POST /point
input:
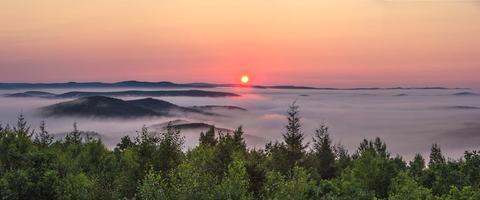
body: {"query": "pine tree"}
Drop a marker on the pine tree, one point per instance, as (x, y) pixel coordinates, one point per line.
(74, 137)
(323, 152)
(436, 156)
(342, 158)
(293, 137)
(125, 143)
(170, 148)
(417, 165)
(43, 138)
(238, 139)
(208, 138)
(22, 129)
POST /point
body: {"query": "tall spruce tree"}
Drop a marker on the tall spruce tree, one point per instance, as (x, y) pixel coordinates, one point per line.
(22, 129)
(436, 156)
(416, 166)
(208, 138)
(75, 136)
(293, 137)
(42, 137)
(323, 151)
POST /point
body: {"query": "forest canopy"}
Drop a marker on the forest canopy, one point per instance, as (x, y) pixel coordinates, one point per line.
(152, 165)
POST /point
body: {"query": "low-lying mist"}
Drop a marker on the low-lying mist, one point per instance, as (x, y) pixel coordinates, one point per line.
(408, 120)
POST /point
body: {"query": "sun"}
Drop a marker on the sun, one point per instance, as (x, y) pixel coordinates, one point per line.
(245, 79)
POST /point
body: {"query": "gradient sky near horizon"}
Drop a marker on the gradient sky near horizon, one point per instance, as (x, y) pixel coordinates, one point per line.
(334, 43)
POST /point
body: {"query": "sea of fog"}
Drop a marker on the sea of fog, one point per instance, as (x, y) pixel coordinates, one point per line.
(408, 120)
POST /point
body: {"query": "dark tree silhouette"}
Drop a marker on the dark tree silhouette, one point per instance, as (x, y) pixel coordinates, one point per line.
(208, 138)
(323, 151)
(436, 156)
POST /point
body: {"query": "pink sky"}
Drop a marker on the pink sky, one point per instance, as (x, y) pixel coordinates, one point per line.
(346, 43)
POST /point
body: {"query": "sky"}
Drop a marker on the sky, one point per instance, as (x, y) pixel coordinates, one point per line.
(327, 43)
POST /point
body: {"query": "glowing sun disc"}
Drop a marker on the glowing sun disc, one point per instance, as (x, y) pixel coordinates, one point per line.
(244, 79)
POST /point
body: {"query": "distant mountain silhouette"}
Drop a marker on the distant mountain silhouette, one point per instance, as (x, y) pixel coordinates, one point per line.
(108, 107)
(217, 107)
(465, 94)
(187, 125)
(458, 107)
(138, 93)
(165, 84)
(164, 107)
(133, 84)
(97, 106)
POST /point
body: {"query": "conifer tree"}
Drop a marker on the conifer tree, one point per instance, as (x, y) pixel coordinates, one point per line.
(43, 138)
(436, 156)
(74, 137)
(323, 152)
(293, 137)
(417, 165)
(208, 138)
(22, 129)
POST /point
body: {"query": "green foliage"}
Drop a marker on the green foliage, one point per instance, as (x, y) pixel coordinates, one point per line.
(436, 156)
(417, 166)
(466, 193)
(43, 138)
(153, 187)
(153, 166)
(193, 179)
(373, 169)
(208, 138)
(299, 186)
(404, 187)
(77, 187)
(235, 184)
(74, 137)
(471, 168)
(284, 156)
(323, 153)
(293, 137)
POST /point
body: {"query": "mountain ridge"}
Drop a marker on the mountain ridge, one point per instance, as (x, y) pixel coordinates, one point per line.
(167, 84)
(138, 93)
(108, 107)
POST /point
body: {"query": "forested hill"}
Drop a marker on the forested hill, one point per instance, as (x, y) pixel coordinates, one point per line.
(107, 107)
(153, 166)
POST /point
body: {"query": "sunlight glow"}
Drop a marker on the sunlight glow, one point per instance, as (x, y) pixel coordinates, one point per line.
(245, 79)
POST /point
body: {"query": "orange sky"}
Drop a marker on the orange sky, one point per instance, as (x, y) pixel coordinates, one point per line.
(335, 43)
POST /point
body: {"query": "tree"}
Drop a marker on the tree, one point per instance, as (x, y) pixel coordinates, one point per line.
(471, 168)
(208, 138)
(293, 137)
(153, 187)
(342, 158)
(238, 140)
(170, 148)
(22, 129)
(436, 156)
(43, 138)
(372, 170)
(465, 193)
(194, 177)
(256, 169)
(125, 143)
(299, 186)
(78, 187)
(323, 151)
(416, 166)
(405, 188)
(235, 183)
(74, 137)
